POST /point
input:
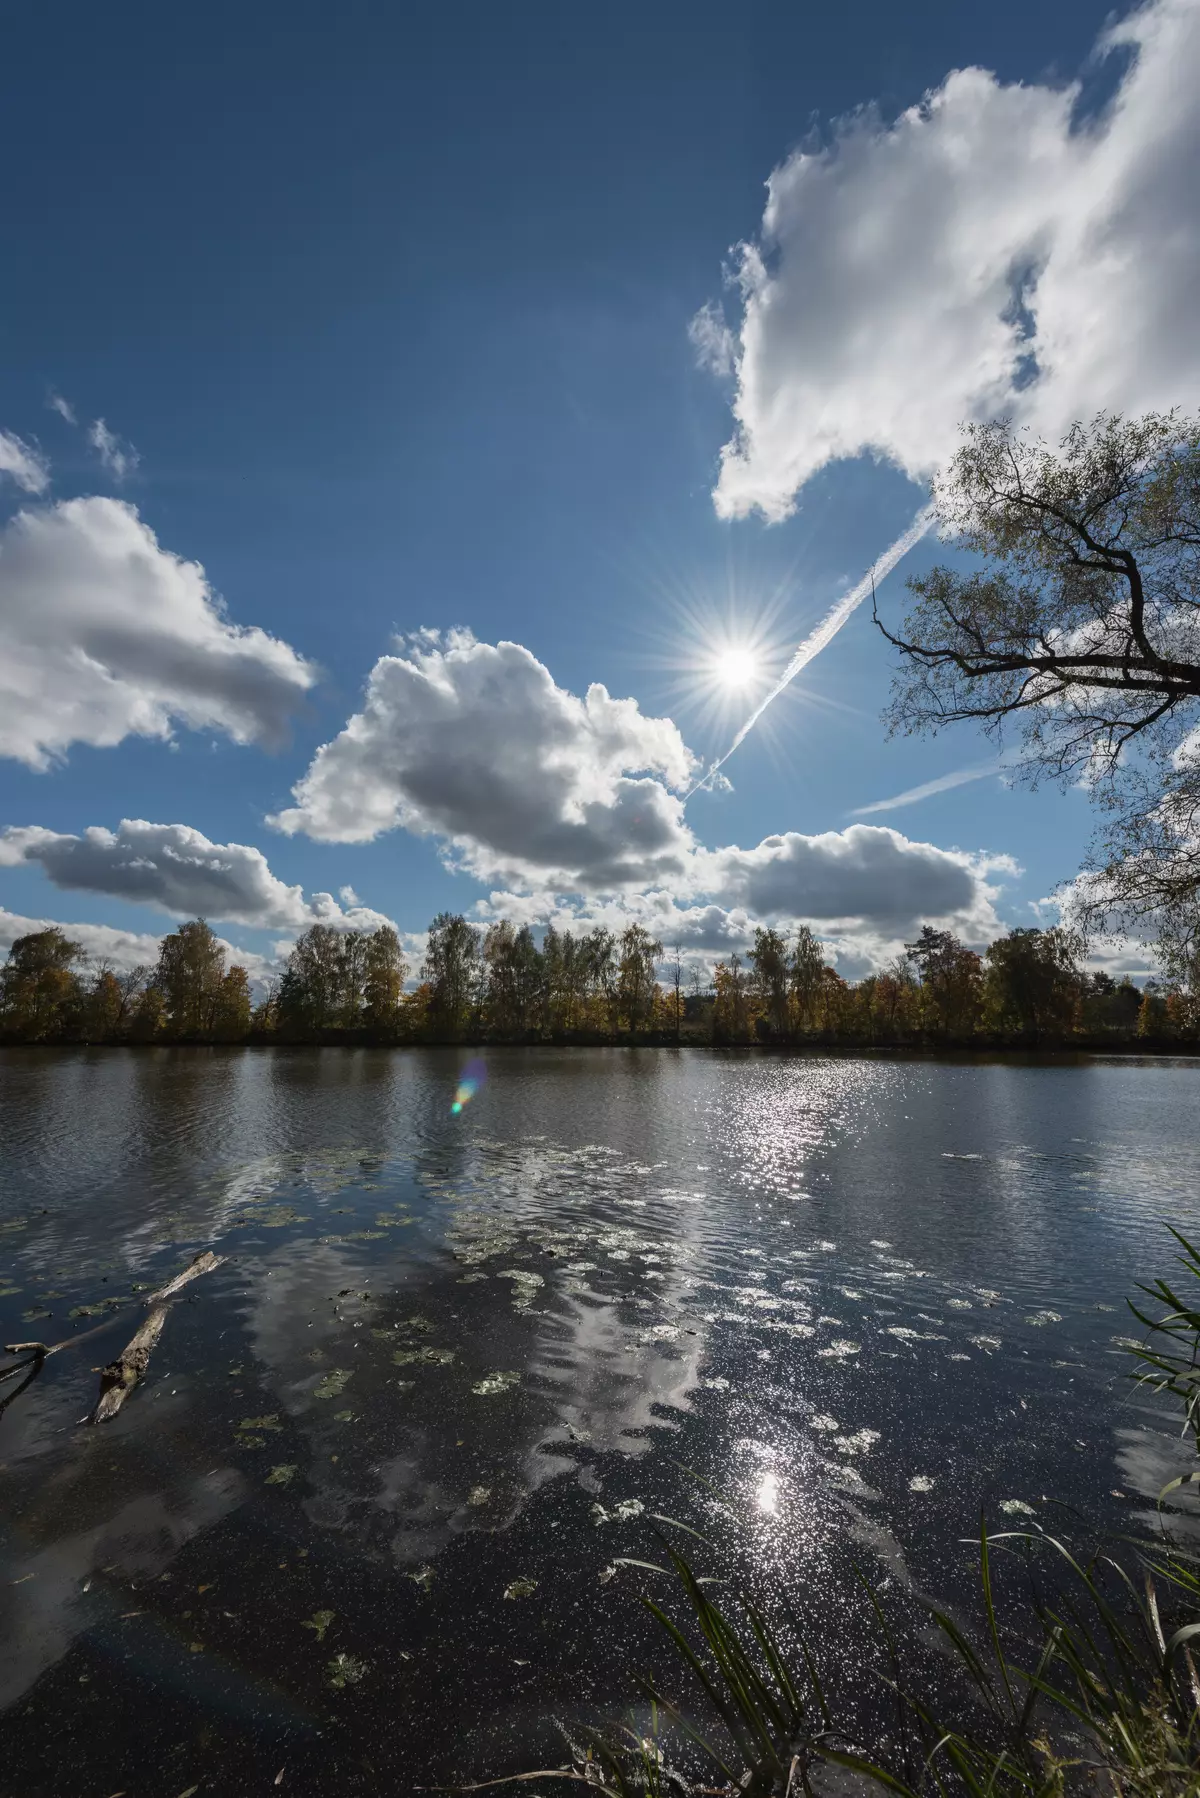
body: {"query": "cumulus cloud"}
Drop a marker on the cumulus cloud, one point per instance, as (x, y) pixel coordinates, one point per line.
(118, 457)
(123, 950)
(23, 464)
(104, 634)
(550, 795)
(180, 871)
(475, 743)
(989, 252)
(868, 874)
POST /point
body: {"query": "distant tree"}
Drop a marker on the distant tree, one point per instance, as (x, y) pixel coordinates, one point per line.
(833, 1003)
(232, 1010)
(103, 1007)
(640, 954)
(603, 977)
(1034, 983)
(731, 1010)
(1154, 1014)
(385, 971)
(674, 973)
(1082, 632)
(805, 977)
(191, 968)
(40, 992)
(1107, 1005)
(951, 977)
(513, 979)
(451, 969)
(313, 988)
(148, 1019)
(769, 959)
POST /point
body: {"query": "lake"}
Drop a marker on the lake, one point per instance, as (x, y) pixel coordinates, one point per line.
(362, 1525)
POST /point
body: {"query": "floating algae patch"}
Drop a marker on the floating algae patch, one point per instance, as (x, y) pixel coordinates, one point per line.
(319, 1622)
(426, 1357)
(274, 1217)
(521, 1588)
(623, 1512)
(496, 1382)
(334, 1383)
(525, 1286)
(261, 1423)
(841, 1350)
(244, 1441)
(861, 1443)
(1044, 1317)
(283, 1474)
(346, 1670)
(479, 1495)
(920, 1482)
(1016, 1507)
(423, 1577)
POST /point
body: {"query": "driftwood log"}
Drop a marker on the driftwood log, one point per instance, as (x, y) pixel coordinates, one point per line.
(120, 1377)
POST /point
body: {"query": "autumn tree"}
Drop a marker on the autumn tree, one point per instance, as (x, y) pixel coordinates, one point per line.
(1079, 636)
(951, 977)
(233, 1006)
(191, 967)
(640, 954)
(804, 977)
(451, 970)
(1033, 982)
(769, 960)
(103, 1008)
(40, 992)
(513, 979)
(384, 973)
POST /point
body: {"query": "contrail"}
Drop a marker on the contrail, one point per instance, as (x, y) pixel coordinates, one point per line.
(826, 631)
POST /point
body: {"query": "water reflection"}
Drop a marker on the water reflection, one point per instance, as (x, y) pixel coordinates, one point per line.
(452, 1357)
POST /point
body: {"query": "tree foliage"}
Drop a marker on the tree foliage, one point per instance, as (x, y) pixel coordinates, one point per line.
(1080, 635)
(500, 984)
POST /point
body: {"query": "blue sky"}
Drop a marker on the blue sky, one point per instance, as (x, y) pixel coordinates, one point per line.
(393, 307)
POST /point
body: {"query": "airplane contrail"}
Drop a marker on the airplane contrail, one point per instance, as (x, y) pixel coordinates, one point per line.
(826, 631)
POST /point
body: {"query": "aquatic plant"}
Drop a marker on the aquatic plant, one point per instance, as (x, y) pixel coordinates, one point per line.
(1081, 1680)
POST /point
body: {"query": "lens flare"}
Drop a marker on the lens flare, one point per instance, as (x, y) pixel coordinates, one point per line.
(469, 1083)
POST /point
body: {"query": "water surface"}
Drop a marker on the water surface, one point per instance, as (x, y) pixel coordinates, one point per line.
(364, 1520)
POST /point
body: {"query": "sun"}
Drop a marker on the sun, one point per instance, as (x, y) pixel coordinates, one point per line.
(737, 665)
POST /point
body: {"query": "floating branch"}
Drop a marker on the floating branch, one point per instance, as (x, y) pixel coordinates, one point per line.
(119, 1378)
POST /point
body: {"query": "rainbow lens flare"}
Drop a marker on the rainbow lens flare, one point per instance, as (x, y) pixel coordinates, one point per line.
(469, 1083)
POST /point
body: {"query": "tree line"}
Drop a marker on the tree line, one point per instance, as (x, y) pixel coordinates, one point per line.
(500, 984)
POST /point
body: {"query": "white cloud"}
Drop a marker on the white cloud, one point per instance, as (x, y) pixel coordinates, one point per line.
(713, 341)
(786, 882)
(118, 457)
(476, 744)
(105, 634)
(551, 795)
(181, 872)
(987, 253)
(63, 407)
(124, 950)
(26, 467)
(868, 875)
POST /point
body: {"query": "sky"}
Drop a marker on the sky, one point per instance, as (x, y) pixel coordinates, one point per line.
(426, 436)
